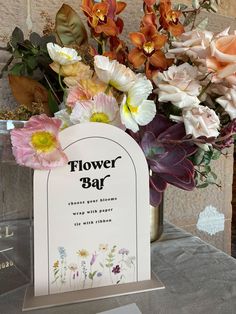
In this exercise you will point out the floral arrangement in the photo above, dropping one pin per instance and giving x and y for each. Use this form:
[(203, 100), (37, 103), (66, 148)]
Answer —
[(171, 86)]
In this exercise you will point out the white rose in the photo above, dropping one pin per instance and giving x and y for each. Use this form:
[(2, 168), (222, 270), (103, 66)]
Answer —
[(201, 121), (228, 102), (194, 44), (179, 85)]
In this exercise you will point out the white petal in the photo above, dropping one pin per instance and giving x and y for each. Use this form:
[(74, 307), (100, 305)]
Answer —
[(64, 116), (126, 117), (81, 112), (114, 73), (103, 68), (62, 55), (139, 92), (145, 112), (106, 104), (122, 77)]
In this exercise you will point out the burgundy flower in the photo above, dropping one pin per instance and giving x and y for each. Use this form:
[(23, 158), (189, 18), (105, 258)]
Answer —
[(167, 152), (116, 269)]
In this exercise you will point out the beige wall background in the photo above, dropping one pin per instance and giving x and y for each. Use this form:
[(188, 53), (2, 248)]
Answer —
[(181, 208)]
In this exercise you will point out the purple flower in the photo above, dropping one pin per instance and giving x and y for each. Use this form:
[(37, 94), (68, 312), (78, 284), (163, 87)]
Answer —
[(116, 269), (99, 274), (93, 259), (123, 251)]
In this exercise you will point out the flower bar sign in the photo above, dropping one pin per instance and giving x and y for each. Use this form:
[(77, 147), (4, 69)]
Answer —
[(91, 217)]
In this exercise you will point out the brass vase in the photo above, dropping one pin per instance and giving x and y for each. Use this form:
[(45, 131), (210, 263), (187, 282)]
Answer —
[(156, 222)]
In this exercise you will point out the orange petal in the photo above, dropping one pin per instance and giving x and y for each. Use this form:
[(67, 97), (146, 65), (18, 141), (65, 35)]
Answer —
[(159, 40), (102, 8), (158, 60), (176, 30), (136, 57), (109, 28), (138, 39), (150, 2), (149, 19), (149, 31), (120, 7)]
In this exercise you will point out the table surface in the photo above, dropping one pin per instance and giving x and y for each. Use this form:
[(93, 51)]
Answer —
[(199, 279)]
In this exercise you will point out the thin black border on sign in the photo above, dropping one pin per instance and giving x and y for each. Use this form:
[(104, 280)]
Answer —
[(95, 137)]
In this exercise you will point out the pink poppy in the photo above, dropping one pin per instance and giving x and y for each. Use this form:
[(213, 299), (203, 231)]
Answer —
[(37, 146)]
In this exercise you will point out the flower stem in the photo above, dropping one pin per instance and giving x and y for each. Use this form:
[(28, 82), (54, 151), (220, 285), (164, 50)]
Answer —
[(60, 81)]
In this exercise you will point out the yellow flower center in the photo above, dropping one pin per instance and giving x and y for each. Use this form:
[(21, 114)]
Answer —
[(149, 47), (66, 55), (100, 15), (99, 117), (43, 141), (133, 109)]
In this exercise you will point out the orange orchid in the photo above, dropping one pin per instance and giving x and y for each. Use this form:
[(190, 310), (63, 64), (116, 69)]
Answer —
[(148, 44), (118, 50), (169, 19), (150, 2), (101, 16)]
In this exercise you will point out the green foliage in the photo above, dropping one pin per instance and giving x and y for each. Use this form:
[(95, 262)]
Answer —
[(204, 176), (110, 257), (70, 30), (29, 54)]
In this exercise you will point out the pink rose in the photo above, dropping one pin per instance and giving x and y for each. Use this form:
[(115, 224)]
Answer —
[(222, 60)]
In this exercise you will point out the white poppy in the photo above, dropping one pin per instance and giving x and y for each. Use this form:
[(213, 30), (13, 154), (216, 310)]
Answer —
[(114, 73), (62, 55), (135, 109), (64, 116)]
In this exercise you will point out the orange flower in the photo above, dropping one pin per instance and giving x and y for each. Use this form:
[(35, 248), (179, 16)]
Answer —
[(150, 2), (148, 44), (169, 18), (118, 50), (101, 16)]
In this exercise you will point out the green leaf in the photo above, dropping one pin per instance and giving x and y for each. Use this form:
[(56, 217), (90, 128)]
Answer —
[(198, 157), (31, 62), (69, 27), (52, 103), (17, 69), (195, 4), (101, 265), (203, 24), (35, 39), (17, 37), (202, 186), (216, 154)]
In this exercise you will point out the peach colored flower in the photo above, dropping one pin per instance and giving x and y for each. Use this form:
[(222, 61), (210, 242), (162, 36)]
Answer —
[(85, 90), (179, 85), (78, 69), (222, 60), (37, 145)]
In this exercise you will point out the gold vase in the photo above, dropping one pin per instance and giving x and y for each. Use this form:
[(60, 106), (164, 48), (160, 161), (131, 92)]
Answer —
[(156, 221)]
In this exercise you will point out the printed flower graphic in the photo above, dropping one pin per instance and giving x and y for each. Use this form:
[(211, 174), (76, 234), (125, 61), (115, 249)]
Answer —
[(103, 247), (83, 253), (116, 270), (37, 146), (123, 251)]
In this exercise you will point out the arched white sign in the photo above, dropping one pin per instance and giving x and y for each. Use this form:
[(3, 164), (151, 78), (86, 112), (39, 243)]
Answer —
[(91, 217)]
